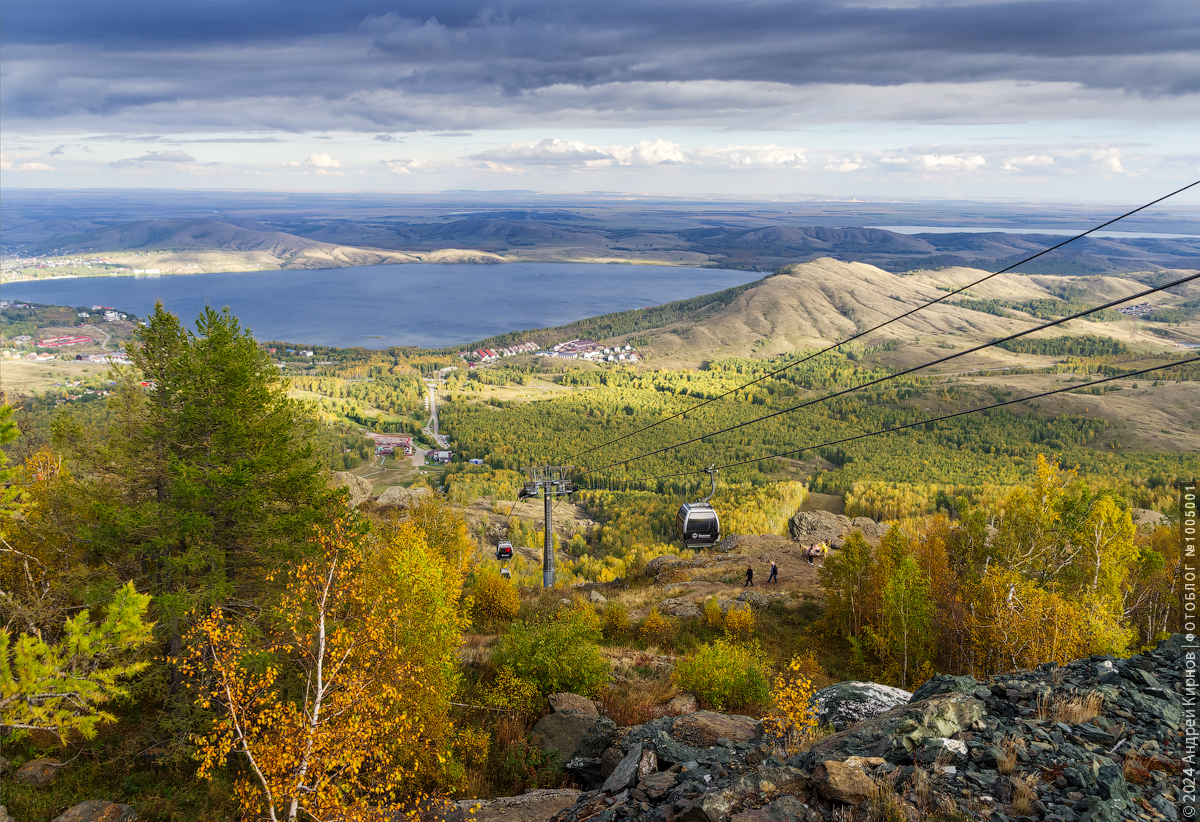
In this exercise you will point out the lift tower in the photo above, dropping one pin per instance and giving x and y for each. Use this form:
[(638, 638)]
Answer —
[(548, 481)]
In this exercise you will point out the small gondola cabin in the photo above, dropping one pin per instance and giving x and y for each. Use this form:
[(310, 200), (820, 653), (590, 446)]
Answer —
[(504, 550), (698, 525)]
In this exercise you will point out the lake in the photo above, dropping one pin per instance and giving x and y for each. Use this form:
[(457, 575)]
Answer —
[(428, 305)]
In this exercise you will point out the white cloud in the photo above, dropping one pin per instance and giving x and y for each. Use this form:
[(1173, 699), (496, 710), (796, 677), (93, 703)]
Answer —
[(645, 153), (401, 165), (1108, 159), (34, 167), (767, 156), (951, 162), (844, 164), (321, 160)]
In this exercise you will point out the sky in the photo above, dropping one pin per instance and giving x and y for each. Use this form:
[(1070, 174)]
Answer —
[(1086, 100)]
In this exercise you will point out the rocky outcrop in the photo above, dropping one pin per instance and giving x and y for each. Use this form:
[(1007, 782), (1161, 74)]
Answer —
[(359, 489), (397, 496), (97, 810), (1022, 746), (811, 527), (531, 806), (681, 608), (847, 703)]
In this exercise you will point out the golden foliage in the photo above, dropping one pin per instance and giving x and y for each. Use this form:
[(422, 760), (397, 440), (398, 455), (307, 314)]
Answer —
[(793, 719), (713, 617), (739, 622), (614, 621), (343, 705), (494, 598), (511, 691), (657, 629)]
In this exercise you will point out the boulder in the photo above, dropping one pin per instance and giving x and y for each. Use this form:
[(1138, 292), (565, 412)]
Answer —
[(846, 703), (817, 526), (37, 772), (664, 562), (572, 704), (945, 684), (562, 732), (625, 774), (529, 806), (681, 608), (97, 810), (681, 704), (359, 488), (401, 497), (704, 729), (728, 544), (840, 782), (754, 599), (897, 733), (597, 598)]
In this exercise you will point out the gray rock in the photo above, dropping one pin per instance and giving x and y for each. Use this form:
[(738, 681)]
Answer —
[(37, 772), (625, 774), (847, 703), (401, 497), (728, 544), (754, 599), (358, 488), (97, 810), (680, 608), (562, 732), (572, 704), (753, 791), (597, 598), (531, 805), (945, 684), (704, 729), (4, 817), (662, 563), (681, 704)]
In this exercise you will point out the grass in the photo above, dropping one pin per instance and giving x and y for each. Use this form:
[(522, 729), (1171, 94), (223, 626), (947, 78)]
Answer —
[(159, 793), (1073, 710)]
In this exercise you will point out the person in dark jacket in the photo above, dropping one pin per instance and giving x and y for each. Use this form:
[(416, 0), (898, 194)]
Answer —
[(774, 577), (749, 576)]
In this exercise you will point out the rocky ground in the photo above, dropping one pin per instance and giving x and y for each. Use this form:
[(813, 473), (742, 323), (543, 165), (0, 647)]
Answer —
[(1090, 741)]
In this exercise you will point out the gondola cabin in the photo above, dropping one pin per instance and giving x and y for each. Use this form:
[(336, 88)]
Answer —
[(698, 525), (504, 550)]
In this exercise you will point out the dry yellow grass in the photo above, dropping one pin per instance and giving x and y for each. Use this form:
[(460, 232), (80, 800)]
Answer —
[(27, 376)]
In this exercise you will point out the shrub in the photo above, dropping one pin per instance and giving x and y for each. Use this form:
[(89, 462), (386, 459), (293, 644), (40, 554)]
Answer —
[(615, 621), (657, 629), (713, 617), (793, 718), (725, 675), (739, 623), (511, 691), (558, 655), (495, 598)]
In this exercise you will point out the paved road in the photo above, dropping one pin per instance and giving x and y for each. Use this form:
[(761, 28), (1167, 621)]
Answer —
[(432, 428), (103, 345)]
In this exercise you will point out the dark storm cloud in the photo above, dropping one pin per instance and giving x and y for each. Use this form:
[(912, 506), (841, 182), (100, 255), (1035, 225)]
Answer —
[(456, 65)]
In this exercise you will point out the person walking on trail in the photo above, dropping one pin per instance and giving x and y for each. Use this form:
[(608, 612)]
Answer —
[(808, 553), (821, 550), (749, 577), (774, 574)]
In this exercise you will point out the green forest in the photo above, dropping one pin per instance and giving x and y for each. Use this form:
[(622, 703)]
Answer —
[(196, 622)]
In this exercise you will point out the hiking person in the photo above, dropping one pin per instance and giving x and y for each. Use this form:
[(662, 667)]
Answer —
[(749, 577), (809, 552), (774, 574)]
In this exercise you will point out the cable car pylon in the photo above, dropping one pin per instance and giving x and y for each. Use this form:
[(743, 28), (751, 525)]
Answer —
[(548, 481)]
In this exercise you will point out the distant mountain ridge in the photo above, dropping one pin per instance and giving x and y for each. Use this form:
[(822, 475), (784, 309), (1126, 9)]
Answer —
[(554, 238)]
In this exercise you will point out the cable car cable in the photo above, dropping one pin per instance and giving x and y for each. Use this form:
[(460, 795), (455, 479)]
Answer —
[(925, 422), (908, 313), (889, 377)]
